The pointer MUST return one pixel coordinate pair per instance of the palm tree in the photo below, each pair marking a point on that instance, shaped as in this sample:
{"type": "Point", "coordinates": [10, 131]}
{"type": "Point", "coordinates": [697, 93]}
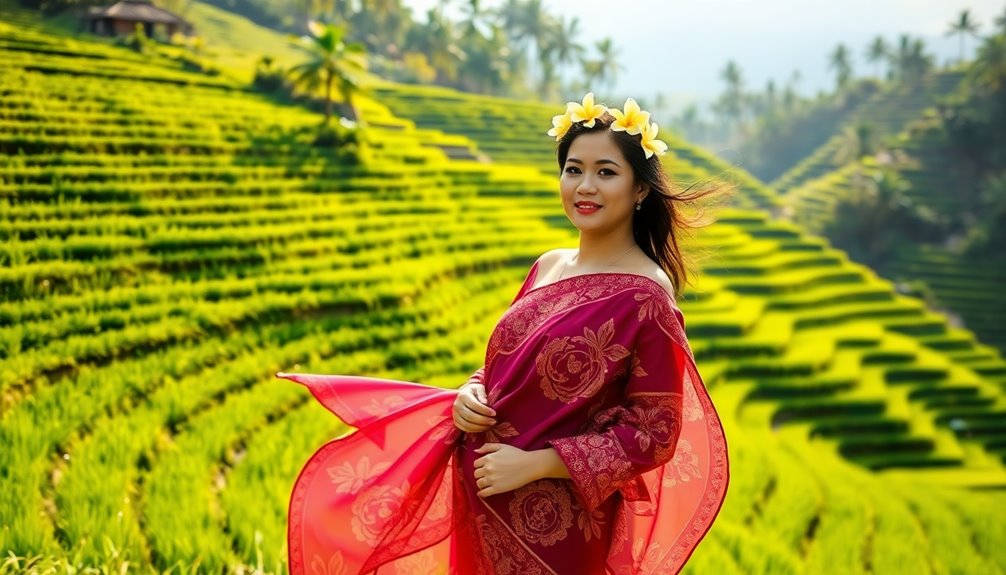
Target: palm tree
{"type": "Point", "coordinates": [731, 102]}
{"type": "Point", "coordinates": [535, 27]}
{"type": "Point", "coordinates": [510, 16]}
{"type": "Point", "coordinates": [963, 26]}
{"type": "Point", "coordinates": [688, 122]}
{"type": "Point", "coordinates": [593, 73]}
{"type": "Point", "coordinates": [919, 62]}
{"type": "Point", "coordinates": [474, 18]}
{"type": "Point", "coordinates": [771, 96]}
{"type": "Point", "coordinates": [330, 61]}
{"type": "Point", "coordinates": [839, 60]}
{"type": "Point", "coordinates": [608, 61]}
{"type": "Point", "coordinates": [497, 71]}
{"type": "Point", "coordinates": [563, 41]}
{"type": "Point", "coordinates": [899, 58]}
{"type": "Point", "coordinates": [876, 215]}
{"type": "Point", "coordinates": [910, 60]}
{"type": "Point", "coordinates": [659, 104]}
{"type": "Point", "coordinates": [546, 89]}
{"type": "Point", "coordinates": [436, 39]}
{"type": "Point", "coordinates": [380, 24]}
{"type": "Point", "coordinates": [857, 141]}
{"type": "Point", "coordinates": [877, 52]}
{"type": "Point", "coordinates": [990, 64]}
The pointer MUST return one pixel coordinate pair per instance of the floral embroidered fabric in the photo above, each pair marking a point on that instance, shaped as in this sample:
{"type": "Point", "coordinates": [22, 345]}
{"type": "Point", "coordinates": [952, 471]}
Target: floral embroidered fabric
{"type": "Point", "coordinates": [595, 366]}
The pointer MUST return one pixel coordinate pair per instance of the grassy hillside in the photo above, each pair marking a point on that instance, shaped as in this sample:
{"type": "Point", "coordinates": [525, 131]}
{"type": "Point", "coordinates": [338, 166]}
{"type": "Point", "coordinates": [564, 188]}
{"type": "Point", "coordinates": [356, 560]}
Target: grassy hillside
{"type": "Point", "coordinates": [889, 111]}
{"type": "Point", "coordinates": [508, 131]}
{"type": "Point", "coordinates": [170, 240]}
{"type": "Point", "coordinates": [967, 286]}
{"type": "Point", "coordinates": [778, 144]}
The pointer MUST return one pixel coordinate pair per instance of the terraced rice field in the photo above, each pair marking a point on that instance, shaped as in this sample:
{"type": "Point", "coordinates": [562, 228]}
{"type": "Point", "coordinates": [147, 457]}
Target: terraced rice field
{"type": "Point", "coordinates": [889, 111]}
{"type": "Point", "coordinates": [967, 287]}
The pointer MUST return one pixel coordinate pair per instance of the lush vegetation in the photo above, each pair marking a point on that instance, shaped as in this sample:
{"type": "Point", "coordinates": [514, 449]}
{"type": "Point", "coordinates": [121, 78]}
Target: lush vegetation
{"type": "Point", "coordinates": [518, 48]}
{"type": "Point", "coordinates": [922, 199]}
{"type": "Point", "coordinates": [173, 238]}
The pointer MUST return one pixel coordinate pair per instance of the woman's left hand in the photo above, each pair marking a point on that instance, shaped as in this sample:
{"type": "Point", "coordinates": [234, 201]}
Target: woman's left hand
{"type": "Point", "coordinates": [503, 468]}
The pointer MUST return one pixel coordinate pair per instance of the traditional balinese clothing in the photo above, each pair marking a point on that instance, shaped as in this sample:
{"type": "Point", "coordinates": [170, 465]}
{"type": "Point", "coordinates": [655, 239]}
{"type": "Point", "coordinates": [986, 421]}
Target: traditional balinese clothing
{"type": "Point", "coordinates": [596, 366]}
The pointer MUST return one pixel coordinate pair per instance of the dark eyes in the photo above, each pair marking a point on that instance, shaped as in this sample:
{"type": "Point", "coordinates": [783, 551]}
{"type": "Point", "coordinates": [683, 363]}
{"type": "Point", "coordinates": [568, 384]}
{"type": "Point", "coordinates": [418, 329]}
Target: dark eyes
{"type": "Point", "coordinates": [602, 171]}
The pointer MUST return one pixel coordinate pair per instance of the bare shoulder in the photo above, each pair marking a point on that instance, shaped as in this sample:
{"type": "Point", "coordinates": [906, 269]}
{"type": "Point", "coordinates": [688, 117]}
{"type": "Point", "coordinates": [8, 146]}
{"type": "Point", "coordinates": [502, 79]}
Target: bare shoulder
{"type": "Point", "coordinates": [653, 271]}
{"type": "Point", "coordinates": [550, 259]}
{"type": "Point", "coordinates": [662, 278]}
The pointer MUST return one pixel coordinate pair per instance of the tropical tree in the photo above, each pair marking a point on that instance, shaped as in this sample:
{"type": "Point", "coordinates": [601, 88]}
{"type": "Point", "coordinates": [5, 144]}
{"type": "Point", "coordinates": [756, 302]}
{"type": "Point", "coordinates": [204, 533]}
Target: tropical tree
{"type": "Point", "coordinates": [877, 52]}
{"type": "Point", "coordinates": [438, 40]}
{"type": "Point", "coordinates": [593, 73]}
{"type": "Point", "coordinates": [877, 216]}
{"type": "Point", "coordinates": [474, 18]}
{"type": "Point", "coordinates": [659, 104]}
{"type": "Point", "coordinates": [731, 102]}
{"type": "Point", "coordinates": [380, 24]}
{"type": "Point", "coordinates": [330, 61]}
{"type": "Point", "coordinates": [919, 62]}
{"type": "Point", "coordinates": [964, 26]}
{"type": "Point", "coordinates": [839, 60]}
{"type": "Point", "coordinates": [989, 70]}
{"type": "Point", "coordinates": [771, 96]}
{"type": "Point", "coordinates": [790, 98]}
{"type": "Point", "coordinates": [991, 234]}
{"type": "Point", "coordinates": [536, 27]}
{"type": "Point", "coordinates": [689, 123]}
{"type": "Point", "coordinates": [856, 141]}
{"type": "Point", "coordinates": [510, 16]}
{"type": "Point", "coordinates": [607, 57]}
{"type": "Point", "coordinates": [565, 48]}
{"type": "Point", "coordinates": [910, 61]}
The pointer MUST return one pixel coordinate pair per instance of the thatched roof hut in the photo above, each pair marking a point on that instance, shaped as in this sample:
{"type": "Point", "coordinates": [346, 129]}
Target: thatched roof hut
{"type": "Point", "coordinates": [120, 19]}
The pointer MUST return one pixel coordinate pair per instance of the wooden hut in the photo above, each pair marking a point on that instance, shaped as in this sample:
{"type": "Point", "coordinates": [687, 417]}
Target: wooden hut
{"type": "Point", "coordinates": [120, 19]}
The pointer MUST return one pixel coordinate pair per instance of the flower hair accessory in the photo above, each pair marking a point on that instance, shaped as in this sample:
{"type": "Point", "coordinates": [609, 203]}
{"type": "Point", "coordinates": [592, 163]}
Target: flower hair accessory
{"type": "Point", "coordinates": [631, 120]}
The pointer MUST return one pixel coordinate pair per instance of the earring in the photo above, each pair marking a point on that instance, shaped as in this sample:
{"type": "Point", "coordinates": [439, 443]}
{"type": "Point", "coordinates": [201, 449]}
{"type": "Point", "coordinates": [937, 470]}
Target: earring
{"type": "Point", "coordinates": [638, 206]}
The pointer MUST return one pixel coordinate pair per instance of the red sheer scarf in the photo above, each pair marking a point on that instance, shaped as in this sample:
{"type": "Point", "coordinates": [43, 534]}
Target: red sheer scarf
{"type": "Point", "coordinates": [397, 496]}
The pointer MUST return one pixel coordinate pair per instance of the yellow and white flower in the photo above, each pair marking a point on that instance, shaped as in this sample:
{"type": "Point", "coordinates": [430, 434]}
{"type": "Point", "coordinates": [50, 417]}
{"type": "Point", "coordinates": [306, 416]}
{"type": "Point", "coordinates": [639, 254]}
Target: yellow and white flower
{"type": "Point", "coordinates": [561, 123]}
{"type": "Point", "coordinates": [631, 120]}
{"type": "Point", "coordinates": [587, 111]}
{"type": "Point", "coordinates": [650, 144]}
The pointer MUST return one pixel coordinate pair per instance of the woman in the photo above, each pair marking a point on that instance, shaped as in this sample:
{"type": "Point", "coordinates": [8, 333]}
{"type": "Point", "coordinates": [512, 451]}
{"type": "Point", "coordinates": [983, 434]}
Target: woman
{"type": "Point", "coordinates": [586, 443]}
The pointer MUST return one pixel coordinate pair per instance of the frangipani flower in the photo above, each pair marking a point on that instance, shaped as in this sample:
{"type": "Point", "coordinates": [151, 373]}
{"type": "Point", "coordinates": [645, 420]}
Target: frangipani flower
{"type": "Point", "coordinates": [632, 120]}
{"type": "Point", "coordinates": [561, 123]}
{"type": "Point", "coordinates": [650, 144]}
{"type": "Point", "coordinates": [586, 112]}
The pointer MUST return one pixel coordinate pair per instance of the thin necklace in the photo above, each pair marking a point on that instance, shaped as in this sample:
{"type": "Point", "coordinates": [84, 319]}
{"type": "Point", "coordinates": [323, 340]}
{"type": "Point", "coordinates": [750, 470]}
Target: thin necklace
{"type": "Point", "coordinates": [578, 255]}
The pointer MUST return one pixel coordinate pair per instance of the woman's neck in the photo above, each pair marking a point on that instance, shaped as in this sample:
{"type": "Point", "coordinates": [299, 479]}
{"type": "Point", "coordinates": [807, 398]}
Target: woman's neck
{"type": "Point", "coordinates": [602, 252]}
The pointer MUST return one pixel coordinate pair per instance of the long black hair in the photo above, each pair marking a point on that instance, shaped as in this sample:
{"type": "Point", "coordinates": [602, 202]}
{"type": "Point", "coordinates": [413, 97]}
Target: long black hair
{"type": "Point", "coordinates": [660, 222]}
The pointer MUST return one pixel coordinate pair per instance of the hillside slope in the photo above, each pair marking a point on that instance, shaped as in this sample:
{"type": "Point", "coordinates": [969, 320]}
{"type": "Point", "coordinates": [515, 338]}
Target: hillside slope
{"type": "Point", "coordinates": [514, 132]}
{"type": "Point", "coordinates": [889, 111]}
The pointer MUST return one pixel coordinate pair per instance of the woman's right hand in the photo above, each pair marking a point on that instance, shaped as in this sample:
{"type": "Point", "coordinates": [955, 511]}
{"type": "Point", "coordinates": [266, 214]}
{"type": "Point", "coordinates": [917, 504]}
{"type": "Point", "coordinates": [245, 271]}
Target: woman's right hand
{"type": "Point", "coordinates": [471, 410]}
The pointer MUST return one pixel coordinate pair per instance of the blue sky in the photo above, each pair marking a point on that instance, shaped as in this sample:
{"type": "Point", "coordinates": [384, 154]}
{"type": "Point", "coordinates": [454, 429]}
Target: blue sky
{"type": "Point", "coordinates": [679, 47]}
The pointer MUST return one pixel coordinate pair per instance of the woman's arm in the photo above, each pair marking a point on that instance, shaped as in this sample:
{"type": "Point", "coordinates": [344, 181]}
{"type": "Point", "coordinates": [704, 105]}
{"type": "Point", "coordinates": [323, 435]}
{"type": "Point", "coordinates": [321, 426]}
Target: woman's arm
{"type": "Point", "coordinates": [547, 463]}
{"type": "Point", "coordinates": [626, 440]}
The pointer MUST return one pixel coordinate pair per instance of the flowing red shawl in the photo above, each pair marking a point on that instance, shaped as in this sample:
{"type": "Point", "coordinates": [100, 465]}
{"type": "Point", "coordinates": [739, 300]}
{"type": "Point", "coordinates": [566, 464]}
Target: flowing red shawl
{"type": "Point", "coordinates": [596, 366]}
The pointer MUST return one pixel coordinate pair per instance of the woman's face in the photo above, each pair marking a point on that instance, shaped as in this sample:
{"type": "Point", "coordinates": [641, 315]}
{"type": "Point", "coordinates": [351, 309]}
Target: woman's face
{"type": "Point", "coordinates": [597, 172]}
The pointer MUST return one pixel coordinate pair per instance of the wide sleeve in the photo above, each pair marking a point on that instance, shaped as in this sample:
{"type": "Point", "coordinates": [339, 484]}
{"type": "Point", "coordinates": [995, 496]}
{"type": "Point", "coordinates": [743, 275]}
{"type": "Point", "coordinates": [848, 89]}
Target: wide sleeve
{"type": "Point", "coordinates": [640, 434]}
{"type": "Point", "coordinates": [477, 377]}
